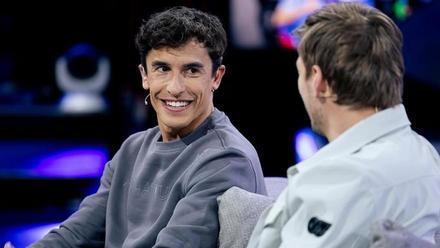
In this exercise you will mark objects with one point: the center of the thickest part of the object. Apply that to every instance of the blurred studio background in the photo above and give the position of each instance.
(70, 92)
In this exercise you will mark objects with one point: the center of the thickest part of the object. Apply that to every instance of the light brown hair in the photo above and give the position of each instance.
(358, 49)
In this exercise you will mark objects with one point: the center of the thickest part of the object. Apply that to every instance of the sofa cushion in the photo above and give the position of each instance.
(239, 211)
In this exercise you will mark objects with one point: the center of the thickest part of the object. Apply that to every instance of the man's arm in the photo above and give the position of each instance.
(194, 222)
(86, 227)
(387, 234)
(328, 206)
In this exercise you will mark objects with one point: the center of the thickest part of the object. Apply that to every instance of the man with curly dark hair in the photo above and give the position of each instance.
(160, 188)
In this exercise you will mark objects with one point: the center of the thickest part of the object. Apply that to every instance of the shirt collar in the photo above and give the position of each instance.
(360, 134)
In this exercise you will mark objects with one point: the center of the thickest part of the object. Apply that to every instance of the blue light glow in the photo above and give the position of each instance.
(51, 159)
(307, 143)
(75, 163)
(25, 235)
(82, 49)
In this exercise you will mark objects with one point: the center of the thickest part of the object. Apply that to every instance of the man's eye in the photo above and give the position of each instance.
(193, 70)
(161, 69)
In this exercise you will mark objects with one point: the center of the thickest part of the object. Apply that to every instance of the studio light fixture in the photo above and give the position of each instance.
(82, 73)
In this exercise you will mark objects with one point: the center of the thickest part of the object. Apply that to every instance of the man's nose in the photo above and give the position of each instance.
(176, 85)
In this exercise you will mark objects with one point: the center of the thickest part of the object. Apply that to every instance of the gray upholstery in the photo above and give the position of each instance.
(239, 211)
(275, 185)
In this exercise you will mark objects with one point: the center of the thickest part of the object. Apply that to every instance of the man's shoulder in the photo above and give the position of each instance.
(137, 138)
(225, 144)
(227, 136)
(382, 164)
(404, 157)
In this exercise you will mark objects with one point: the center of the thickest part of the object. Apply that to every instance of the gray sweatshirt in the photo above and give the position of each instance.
(156, 194)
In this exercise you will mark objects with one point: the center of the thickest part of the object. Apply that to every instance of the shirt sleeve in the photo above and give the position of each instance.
(86, 227)
(194, 222)
(329, 207)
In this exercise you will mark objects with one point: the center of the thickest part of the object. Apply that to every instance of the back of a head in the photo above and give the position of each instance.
(358, 49)
(176, 26)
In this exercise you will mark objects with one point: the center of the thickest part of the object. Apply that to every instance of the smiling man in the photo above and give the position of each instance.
(160, 188)
(181, 82)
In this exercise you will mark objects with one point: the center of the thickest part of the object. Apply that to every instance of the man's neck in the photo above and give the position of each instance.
(341, 118)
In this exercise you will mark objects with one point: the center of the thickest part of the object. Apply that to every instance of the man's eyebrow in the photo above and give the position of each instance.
(157, 63)
(193, 65)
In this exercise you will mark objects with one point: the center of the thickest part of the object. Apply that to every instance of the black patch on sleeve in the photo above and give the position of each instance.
(317, 226)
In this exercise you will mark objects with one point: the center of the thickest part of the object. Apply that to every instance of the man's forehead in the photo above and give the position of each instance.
(187, 53)
(192, 43)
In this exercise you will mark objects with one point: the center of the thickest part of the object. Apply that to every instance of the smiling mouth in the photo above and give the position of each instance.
(176, 105)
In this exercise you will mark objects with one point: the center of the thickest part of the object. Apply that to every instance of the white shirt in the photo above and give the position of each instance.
(378, 169)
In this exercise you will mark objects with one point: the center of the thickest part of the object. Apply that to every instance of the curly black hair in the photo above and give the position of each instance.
(178, 25)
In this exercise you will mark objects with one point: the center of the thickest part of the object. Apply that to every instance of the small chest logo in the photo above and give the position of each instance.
(317, 226)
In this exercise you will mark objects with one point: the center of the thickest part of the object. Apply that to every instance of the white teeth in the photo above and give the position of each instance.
(177, 104)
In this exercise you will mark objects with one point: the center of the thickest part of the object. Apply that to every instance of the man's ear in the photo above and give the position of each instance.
(144, 77)
(321, 89)
(218, 77)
